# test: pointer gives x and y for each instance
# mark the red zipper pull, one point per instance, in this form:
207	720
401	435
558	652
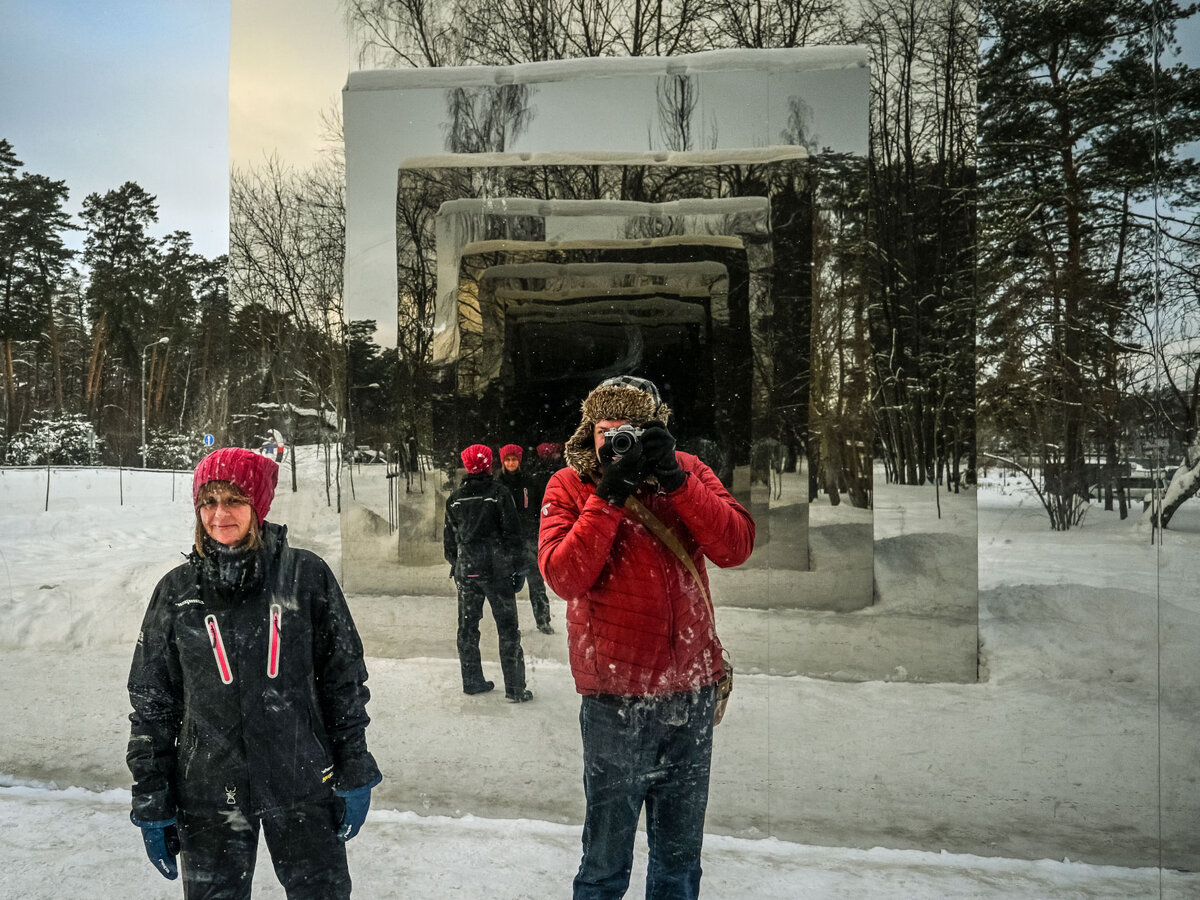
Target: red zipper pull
276	627
214	638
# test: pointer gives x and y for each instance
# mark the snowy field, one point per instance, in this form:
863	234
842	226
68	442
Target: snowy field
1081	744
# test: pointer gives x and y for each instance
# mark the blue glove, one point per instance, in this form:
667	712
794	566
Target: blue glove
162	845
518	580
358	801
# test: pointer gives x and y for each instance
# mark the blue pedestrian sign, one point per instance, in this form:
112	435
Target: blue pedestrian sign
209	440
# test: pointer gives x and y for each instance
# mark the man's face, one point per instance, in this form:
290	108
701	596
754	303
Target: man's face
510	463
598	433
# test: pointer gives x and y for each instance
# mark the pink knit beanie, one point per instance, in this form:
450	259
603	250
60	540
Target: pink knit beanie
254	474
477	458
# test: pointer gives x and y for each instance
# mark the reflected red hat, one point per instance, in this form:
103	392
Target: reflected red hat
254	475
477	458
512	450
548	449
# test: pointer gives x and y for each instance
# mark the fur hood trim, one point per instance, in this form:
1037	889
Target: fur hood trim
609	401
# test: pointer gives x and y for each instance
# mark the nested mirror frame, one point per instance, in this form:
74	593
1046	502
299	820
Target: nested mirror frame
799	566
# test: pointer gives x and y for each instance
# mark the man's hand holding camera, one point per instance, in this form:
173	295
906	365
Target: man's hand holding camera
622	472
631	454
658	450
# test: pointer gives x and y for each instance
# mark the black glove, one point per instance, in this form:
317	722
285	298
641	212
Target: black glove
658	447
162	845
518	580
622	474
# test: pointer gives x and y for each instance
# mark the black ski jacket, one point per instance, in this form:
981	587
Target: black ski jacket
250	697
481	537
527	495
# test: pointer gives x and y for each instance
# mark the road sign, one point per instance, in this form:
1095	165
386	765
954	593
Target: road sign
209	440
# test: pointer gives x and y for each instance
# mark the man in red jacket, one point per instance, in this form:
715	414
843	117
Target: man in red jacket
643	646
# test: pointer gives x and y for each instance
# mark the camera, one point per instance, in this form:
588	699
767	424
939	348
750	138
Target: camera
623	438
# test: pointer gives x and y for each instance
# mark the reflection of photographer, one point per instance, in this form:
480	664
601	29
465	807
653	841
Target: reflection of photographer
624	535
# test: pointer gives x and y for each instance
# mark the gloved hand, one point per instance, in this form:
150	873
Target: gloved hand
658	447
621	475
518	580
358	801
162	845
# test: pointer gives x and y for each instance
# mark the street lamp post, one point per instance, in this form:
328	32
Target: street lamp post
161	340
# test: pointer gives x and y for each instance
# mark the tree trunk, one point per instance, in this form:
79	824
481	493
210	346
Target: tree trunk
1184	484
10	390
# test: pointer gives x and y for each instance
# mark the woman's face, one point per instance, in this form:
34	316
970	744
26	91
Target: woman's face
510	463
226	517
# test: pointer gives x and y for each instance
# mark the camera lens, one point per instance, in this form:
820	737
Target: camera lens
622	442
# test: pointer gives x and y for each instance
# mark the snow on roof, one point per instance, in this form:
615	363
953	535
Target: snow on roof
777	61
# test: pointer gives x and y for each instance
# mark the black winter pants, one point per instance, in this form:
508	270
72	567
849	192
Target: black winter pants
538	598
503	601
219	848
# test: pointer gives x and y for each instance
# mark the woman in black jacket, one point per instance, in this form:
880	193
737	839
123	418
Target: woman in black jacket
249	702
481	539
527	494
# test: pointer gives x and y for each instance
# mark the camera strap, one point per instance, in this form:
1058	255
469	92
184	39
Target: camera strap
655	526
668	537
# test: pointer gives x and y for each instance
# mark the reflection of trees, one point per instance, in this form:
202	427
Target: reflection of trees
676	104
416	264
921	200
839	398
486	119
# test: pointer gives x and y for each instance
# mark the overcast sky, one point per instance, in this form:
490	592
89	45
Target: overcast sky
167	92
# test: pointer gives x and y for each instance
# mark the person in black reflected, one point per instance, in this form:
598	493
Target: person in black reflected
527	494
482	542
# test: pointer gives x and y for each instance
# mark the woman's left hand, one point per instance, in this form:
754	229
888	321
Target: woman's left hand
357	801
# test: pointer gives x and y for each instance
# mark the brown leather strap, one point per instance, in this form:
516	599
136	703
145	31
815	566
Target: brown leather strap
667	536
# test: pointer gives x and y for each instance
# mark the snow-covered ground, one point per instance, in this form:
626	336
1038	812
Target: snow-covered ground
1082	742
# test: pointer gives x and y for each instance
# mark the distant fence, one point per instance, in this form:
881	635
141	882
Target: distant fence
31	487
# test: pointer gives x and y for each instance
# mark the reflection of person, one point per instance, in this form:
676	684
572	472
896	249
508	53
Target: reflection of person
643	646
249	702
528	496
550	457
482	542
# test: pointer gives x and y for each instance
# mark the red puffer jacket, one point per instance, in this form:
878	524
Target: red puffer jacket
637	624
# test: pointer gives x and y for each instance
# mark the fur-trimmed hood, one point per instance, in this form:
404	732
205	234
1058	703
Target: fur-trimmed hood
611	401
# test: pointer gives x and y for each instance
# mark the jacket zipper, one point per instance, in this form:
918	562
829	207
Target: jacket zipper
276	627
214	638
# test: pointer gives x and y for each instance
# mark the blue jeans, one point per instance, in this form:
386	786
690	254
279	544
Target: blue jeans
655	751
